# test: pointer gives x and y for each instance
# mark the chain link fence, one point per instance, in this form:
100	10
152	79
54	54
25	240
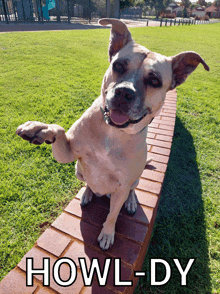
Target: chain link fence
53	10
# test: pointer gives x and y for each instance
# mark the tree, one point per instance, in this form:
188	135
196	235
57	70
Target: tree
126	3
209	4
159	5
193	6
139	3
186	3
217	3
202	2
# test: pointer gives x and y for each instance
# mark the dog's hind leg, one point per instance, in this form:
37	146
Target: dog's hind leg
87	196
131	202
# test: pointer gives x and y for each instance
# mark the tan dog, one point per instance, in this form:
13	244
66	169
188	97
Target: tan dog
109	140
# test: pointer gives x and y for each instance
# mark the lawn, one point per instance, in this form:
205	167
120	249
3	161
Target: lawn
54	77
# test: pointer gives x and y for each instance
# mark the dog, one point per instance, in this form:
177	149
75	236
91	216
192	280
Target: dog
109	140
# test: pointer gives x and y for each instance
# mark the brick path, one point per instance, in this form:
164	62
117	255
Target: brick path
74	233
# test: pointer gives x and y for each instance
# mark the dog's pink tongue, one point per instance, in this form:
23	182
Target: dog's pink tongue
118	117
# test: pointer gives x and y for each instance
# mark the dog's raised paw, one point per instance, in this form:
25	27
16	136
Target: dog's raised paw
36	132
131	202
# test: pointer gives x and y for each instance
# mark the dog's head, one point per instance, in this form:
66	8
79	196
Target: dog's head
135	85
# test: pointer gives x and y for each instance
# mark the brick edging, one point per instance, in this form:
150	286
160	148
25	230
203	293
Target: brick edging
74	233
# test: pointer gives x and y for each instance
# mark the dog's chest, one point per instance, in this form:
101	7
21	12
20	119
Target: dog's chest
112	148
111	162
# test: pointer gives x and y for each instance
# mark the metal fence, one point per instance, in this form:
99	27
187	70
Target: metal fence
50	10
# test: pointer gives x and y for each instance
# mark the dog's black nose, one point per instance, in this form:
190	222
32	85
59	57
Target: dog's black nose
124	94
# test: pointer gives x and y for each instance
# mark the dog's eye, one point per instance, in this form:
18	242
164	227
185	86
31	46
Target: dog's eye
118	67
153	82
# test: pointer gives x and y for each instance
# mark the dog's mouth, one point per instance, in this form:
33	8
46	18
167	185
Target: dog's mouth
118	118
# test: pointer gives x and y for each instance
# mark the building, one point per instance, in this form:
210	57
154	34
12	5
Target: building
177	10
199	11
171	7
212	12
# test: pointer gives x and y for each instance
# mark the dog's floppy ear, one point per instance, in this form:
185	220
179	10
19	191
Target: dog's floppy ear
119	37
184	64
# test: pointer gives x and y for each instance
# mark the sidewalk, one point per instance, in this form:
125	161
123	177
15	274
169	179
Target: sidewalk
54	26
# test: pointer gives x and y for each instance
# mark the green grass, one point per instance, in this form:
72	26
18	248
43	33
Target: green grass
53	77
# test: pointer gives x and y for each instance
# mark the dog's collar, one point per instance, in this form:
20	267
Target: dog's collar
107	119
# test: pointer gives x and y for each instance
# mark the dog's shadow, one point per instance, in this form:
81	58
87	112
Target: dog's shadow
179	230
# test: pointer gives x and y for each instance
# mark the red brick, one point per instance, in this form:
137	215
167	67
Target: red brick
171	102
125	249
44	291
153	175
153	125
148	147
38	256
172	93
91	212
95	289
158	157
159	143
143	214
15	283
160	131
149	186
162	151
157	166
78	250
171	97
170	105
77	228
164	138
53	242
151	135
167	118
165	110
169	108
130	229
165	122
166	127
166	114
146	198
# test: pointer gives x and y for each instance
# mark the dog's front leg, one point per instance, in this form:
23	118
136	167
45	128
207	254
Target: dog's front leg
37	133
106	237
